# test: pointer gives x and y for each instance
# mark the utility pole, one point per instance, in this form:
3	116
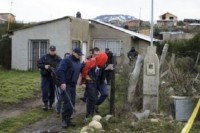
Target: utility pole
151	22
151	75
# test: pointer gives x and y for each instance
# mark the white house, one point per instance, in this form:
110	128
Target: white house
30	43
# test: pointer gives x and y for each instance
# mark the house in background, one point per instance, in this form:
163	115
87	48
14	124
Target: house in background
133	24
166	36
192	24
30	43
7	17
167	20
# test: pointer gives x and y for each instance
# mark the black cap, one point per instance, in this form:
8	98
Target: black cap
52	48
78	51
107	49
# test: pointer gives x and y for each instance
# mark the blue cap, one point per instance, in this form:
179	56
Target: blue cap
78	51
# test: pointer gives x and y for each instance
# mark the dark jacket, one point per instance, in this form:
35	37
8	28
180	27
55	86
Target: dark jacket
48	59
68	71
132	54
110	58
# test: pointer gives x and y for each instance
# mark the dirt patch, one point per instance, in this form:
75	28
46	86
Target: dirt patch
15	110
52	124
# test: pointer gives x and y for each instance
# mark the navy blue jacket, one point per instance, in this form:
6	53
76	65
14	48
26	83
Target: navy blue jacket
47	59
69	70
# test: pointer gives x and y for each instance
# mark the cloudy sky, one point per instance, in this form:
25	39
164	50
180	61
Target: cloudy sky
40	10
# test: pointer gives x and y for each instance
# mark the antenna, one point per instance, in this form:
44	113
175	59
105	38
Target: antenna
9	17
139	20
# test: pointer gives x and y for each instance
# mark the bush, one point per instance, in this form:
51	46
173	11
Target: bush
5	53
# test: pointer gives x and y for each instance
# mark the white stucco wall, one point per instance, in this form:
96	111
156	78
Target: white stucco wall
57	32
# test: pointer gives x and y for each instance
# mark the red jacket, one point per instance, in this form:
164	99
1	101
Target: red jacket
100	61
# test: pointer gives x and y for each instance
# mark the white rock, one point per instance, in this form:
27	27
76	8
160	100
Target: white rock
154	120
108	117
95	124
96	118
84	129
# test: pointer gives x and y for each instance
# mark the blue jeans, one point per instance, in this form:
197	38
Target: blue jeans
103	90
91	99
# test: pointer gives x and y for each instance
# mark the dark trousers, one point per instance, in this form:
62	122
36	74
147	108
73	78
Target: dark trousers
91	93
67	109
58	101
108	76
48	89
103	90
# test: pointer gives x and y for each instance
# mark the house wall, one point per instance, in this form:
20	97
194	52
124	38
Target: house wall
99	31
167	19
141	46
177	36
52	31
8	17
80	29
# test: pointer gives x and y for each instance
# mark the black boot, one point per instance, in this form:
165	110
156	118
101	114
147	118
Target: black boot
50	105
64	123
45	108
96	109
70	123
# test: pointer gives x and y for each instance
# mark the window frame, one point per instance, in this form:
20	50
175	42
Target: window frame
106	45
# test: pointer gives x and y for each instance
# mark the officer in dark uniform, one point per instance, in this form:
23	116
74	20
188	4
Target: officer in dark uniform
109	69
50	60
68	73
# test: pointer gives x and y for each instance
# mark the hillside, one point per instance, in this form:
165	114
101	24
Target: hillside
117	19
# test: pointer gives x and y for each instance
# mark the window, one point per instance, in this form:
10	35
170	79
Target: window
171	18
76	44
113	45
36	49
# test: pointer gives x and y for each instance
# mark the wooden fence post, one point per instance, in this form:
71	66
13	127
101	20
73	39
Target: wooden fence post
112	90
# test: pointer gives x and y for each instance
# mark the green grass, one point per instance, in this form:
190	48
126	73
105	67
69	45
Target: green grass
12	125
16	86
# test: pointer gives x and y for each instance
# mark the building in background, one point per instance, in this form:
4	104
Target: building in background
167	20
7	17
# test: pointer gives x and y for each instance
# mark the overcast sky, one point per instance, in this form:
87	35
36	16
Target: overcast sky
41	10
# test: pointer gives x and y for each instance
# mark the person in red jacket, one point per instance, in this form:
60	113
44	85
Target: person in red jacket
89	77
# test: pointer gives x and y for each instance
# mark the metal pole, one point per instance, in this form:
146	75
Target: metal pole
151	22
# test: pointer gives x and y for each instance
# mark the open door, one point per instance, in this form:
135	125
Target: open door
84	50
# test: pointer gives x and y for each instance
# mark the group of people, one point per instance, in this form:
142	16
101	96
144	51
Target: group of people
60	76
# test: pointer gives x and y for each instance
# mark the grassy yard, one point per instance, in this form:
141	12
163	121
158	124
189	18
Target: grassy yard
16	86
12	125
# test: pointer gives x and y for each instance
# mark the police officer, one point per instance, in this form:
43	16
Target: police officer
68	73
132	54
58	101
109	66
50	60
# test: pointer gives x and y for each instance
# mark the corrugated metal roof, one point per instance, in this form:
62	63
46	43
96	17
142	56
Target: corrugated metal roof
132	33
